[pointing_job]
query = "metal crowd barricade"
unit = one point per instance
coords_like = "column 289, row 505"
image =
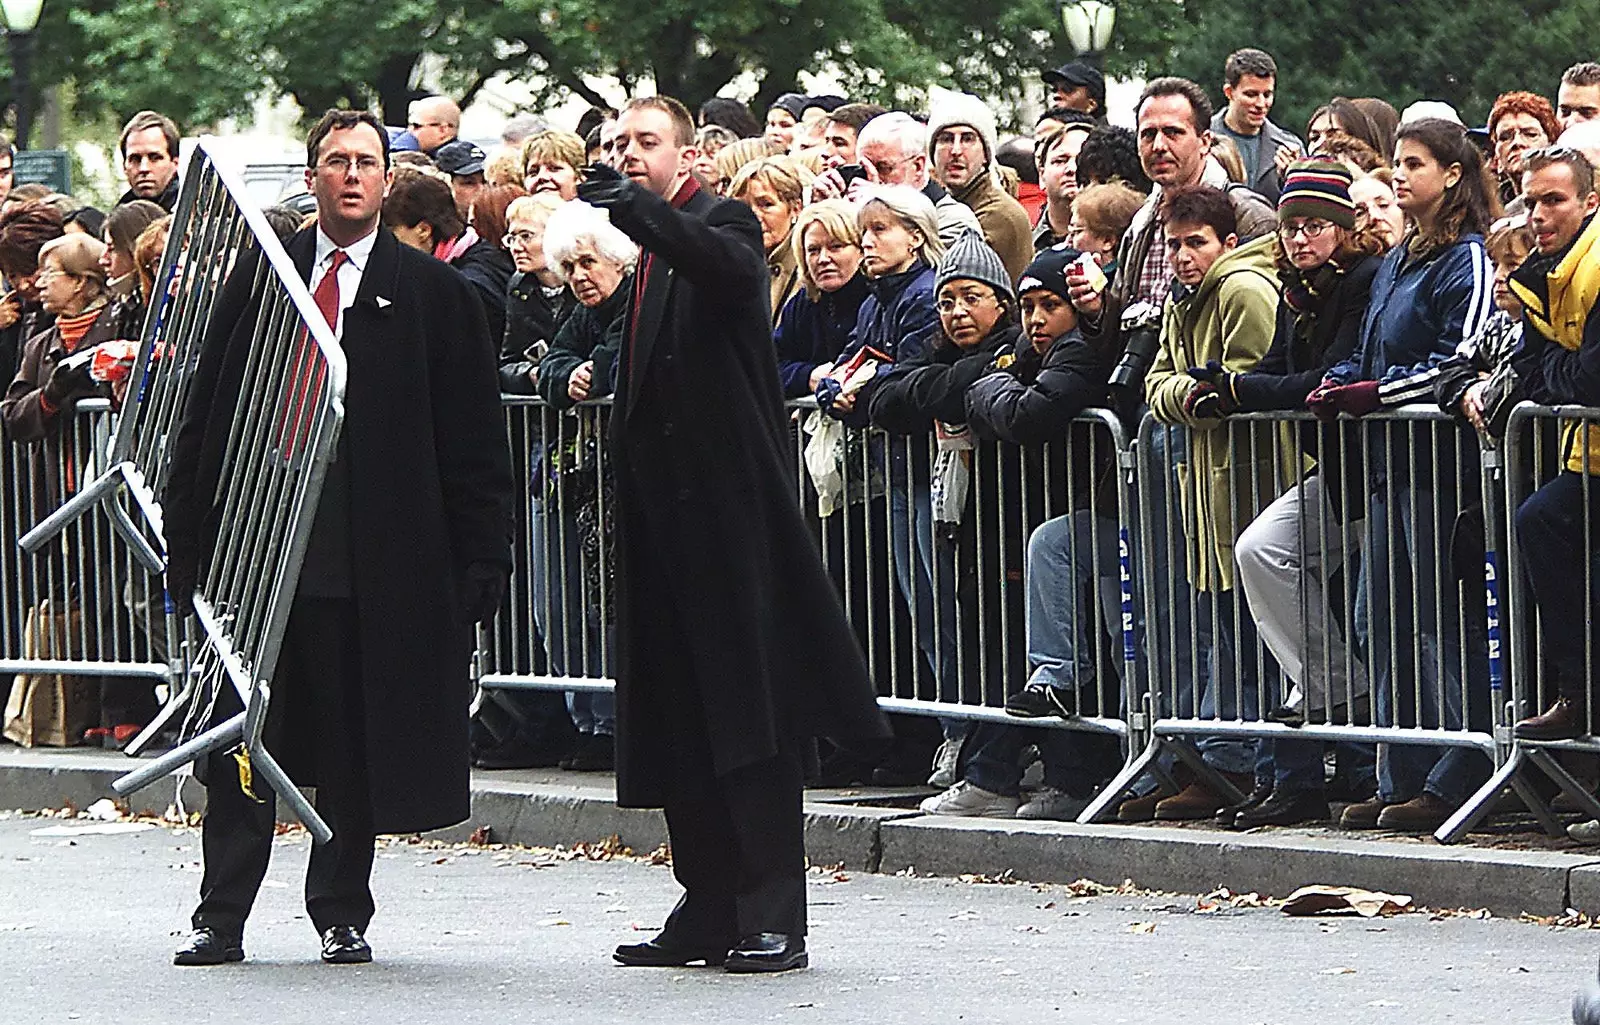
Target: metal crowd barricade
column 81, row 605
column 281, row 440
column 939, row 610
column 207, row 233
column 1538, row 444
column 1386, row 613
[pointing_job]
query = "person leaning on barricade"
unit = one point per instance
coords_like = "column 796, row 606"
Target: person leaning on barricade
column 24, row 229
column 815, row 325
column 410, row 546
column 1326, row 258
column 572, row 545
column 1431, row 293
column 1030, row 396
column 1221, row 310
column 1479, row 383
column 897, row 323
column 62, row 365
column 538, row 301
column 1557, row 528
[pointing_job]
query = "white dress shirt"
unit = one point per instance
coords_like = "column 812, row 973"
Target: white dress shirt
column 350, row 271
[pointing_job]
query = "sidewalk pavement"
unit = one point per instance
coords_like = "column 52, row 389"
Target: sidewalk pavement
column 869, row 830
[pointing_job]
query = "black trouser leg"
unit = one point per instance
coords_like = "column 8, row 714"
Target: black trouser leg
column 763, row 803
column 236, row 841
column 339, row 878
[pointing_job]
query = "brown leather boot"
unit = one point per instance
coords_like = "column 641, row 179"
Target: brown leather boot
column 1422, row 814
column 1363, row 815
column 1567, row 719
column 1198, row 801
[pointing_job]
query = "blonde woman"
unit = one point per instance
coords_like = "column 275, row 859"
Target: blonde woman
column 814, row 325
column 774, row 188
column 550, row 162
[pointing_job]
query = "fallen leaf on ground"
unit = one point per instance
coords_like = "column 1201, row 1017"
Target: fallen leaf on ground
column 1142, row 928
column 1334, row 900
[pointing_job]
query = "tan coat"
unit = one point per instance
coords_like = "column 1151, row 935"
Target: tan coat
column 1005, row 224
column 785, row 274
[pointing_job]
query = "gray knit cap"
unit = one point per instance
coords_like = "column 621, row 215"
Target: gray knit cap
column 971, row 258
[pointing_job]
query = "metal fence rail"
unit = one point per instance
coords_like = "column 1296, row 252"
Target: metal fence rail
column 1541, row 444
column 280, row 443
column 1364, row 542
column 939, row 607
column 82, row 605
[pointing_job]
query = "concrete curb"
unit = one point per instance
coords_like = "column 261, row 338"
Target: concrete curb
column 545, row 809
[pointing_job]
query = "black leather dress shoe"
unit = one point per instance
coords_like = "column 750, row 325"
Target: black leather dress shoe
column 209, row 947
column 657, row 954
column 1285, row 808
column 767, row 952
column 344, row 944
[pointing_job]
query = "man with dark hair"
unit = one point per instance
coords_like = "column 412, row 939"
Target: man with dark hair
column 1578, row 98
column 1077, row 86
column 1559, row 286
column 410, row 546
column 1222, row 310
column 149, row 148
column 731, row 643
column 1249, row 80
column 839, row 133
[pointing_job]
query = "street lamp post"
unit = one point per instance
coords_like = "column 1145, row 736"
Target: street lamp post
column 1088, row 24
column 21, row 18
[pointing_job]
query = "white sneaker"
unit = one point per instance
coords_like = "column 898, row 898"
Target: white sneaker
column 945, row 762
column 1585, row 832
column 1050, row 803
column 965, row 799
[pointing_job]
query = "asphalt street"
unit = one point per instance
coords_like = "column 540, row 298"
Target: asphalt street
column 88, row 921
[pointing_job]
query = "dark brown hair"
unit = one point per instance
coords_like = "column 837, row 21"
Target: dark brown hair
column 854, row 115
column 1470, row 204
column 416, row 198
column 682, row 123
column 23, row 230
column 127, row 220
column 344, row 119
column 1199, row 102
column 1200, row 204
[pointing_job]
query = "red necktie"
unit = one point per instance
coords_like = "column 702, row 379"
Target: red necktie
column 304, row 384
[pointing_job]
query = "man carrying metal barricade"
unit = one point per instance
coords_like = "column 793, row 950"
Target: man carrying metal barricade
column 1559, row 364
column 410, row 545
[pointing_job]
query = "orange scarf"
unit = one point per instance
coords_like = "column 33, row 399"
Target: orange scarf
column 74, row 328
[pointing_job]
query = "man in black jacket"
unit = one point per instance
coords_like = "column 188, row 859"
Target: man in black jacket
column 410, row 546
column 731, row 643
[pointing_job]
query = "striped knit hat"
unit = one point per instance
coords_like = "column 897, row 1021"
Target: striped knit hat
column 1320, row 189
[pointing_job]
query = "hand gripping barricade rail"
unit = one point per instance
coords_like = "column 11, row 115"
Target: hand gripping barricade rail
column 1541, row 443
column 208, row 230
column 281, row 441
column 1317, row 583
column 83, row 605
column 938, row 605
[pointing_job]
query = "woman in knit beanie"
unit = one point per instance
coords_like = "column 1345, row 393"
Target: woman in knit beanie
column 1326, row 264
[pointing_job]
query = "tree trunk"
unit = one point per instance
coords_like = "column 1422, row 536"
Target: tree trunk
column 394, row 88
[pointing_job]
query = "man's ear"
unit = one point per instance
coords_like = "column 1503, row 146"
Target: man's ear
column 1591, row 202
column 1231, row 242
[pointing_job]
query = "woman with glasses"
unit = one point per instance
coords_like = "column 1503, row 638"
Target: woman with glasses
column 1326, row 260
column 1519, row 123
column 537, row 300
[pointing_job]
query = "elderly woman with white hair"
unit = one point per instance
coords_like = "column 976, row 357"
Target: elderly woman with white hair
column 572, row 590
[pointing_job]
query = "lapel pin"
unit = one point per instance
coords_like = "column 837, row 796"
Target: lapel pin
column 383, row 303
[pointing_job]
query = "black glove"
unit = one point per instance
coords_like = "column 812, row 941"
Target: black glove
column 66, row 381
column 605, row 187
column 1203, row 402
column 1211, row 373
column 482, row 587
column 182, row 577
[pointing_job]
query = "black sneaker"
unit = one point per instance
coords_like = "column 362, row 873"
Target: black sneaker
column 1040, row 701
column 596, row 752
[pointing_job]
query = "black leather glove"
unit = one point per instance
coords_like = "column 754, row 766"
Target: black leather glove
column 605, row 187
column 482, row 587
column 66, row 381
column 1211, row 373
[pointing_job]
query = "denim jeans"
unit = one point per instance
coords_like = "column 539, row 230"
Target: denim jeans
column 1213, row 664
column 1413, row 633
column 1074, row 762
column 577, row 642
column 1062, row 622
column 916, row 557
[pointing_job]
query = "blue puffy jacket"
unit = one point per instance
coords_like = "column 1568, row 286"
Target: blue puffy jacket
column 897, row 319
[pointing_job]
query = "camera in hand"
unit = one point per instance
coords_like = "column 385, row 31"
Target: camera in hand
column 1141, row 327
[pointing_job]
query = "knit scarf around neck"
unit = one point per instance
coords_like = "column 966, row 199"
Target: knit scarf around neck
column 74, row 328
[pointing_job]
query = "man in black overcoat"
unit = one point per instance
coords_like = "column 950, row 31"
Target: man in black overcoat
column 731, row 642
column 410, row 545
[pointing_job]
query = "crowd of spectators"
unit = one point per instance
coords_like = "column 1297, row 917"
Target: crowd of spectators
column 930, row 276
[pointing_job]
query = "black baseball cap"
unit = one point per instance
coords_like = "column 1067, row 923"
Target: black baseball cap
column 461, row 158
column 1075, row 73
